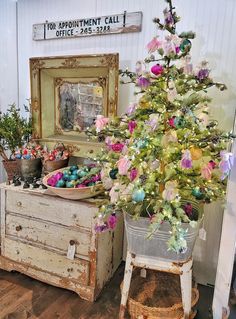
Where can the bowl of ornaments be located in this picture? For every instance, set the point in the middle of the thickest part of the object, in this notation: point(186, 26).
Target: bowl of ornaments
point(75, 182)
point(55, 159)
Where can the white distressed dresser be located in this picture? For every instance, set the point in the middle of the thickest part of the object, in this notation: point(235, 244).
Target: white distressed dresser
point(36, 231)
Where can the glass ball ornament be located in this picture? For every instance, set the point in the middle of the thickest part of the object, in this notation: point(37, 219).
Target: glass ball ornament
point(185, 45)
point(138, 195)
point(113, 173)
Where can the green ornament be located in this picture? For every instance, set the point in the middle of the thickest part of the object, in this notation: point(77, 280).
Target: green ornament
point(179, 122)
point(66, 176)
point(73, 177)
point(113, 173)
point(66, 171)
point(197, 193)
point(185, 45)
point(81, 173)
point(91, 184)
point(69, 184)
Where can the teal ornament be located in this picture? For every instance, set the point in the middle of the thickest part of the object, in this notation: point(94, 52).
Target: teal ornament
point(179, 122)
point(197, 193)
point(73, 168)
point(73, 177)
point(91, 184)
point(142, 143)
point(66, 171)
point(60, 183)
point(81, 173)
point(138, 195)
point(66, 177)
point(113, 173)
point(69, 184)
point(185, 46)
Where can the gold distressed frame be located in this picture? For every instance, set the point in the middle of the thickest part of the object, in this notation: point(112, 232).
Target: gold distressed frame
point(47, 72)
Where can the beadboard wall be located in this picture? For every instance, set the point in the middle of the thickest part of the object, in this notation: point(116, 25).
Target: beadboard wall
point(213, 21)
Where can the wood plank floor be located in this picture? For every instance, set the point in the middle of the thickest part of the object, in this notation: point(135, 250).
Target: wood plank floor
point(22, 297)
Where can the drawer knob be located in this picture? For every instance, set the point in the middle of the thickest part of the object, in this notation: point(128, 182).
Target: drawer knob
point(69, 269)
point(18, 228)
point(19, 204)
point(91, 151)
point(72, 242)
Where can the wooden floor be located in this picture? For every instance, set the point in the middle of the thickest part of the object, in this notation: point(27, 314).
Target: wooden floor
point(22, 297)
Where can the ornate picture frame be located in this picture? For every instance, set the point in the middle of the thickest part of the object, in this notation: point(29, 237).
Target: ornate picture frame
point(67, 93)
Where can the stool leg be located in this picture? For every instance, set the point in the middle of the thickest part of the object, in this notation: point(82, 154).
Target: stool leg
point(126, 285)
point(186, 291)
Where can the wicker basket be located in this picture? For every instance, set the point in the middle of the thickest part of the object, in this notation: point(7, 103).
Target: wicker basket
point(161, 289)
point(12, 168)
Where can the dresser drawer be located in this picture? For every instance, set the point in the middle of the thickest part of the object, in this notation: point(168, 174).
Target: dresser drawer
point(47, 261)
point(47, 234)
point(56, 210)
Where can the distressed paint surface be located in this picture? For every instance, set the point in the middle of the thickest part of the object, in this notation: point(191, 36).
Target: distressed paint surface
point(46, 233)
point(36, 230)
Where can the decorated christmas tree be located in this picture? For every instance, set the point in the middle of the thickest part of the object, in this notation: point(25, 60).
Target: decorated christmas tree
point(165, 149)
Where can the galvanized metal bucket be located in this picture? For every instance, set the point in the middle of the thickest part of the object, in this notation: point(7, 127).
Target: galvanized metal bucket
point(156, 246)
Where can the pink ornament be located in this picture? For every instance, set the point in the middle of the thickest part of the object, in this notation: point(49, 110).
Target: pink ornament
point(133, 174)
point(172, 121)
point(100, 122)
point(112, 221)
point(157, 69)
point(117, 147)
point(131, 126)
point(153, 45)
point(212, 164)
point(123, 165)
point(206, 172)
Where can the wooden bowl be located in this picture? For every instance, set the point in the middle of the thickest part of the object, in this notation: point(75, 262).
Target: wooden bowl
point(73, 193)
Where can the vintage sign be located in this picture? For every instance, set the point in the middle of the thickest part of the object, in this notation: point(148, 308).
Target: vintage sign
point(119, 23)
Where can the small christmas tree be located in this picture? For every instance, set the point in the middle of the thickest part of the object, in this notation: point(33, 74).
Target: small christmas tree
point(163, 150)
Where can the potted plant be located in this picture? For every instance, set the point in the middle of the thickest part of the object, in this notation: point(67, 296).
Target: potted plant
point(15, 130)
point(164, 158)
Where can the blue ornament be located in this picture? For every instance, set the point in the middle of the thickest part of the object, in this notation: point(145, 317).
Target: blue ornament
point(18, 156)
point(27, 156)
point(66, 176)
point(142, 143)
point(82, 173)
point(138, 195)
point(67, 171)
point(113, 173)
point(197, 193)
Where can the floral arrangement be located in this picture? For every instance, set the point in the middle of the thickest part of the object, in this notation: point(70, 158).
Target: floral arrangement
point(76, 177)
point(59, 152)
point(29, 151)
point(165, 148)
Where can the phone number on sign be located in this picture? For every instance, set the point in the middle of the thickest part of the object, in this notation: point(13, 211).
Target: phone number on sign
point(90, 30)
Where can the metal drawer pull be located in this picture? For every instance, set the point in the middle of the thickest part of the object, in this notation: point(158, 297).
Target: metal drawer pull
point(69, 269)
point(19, 204)
point(72, 242)
point(18, 228)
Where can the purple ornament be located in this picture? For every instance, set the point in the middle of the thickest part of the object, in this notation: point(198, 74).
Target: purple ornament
point(226, 163)
point(112, 221)
point(203, 74)
point(132, 107)
point(133, 174)
point(186, 161)
point(143, 82)
point(188, 208)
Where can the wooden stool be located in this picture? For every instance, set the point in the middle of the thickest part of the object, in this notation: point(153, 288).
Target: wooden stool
point(184, 269)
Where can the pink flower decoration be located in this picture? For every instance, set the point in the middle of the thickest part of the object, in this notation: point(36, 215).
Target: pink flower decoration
point(133, 174)
point(112, 221)
point(100, 122)
point(153, 45)
point(117, 147)
point(157, 69)
point(172, 121)
point(123, 165)
point(132, 125)
point(212, 164)
point(206, 172)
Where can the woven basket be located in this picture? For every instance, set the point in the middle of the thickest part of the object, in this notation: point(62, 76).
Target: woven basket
point(12, 168)
point(164, 286)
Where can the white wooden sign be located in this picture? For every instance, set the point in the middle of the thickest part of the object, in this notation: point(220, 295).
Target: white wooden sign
point(119, 23)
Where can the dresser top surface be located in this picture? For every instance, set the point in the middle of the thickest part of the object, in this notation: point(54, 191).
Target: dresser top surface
point(47, 192)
